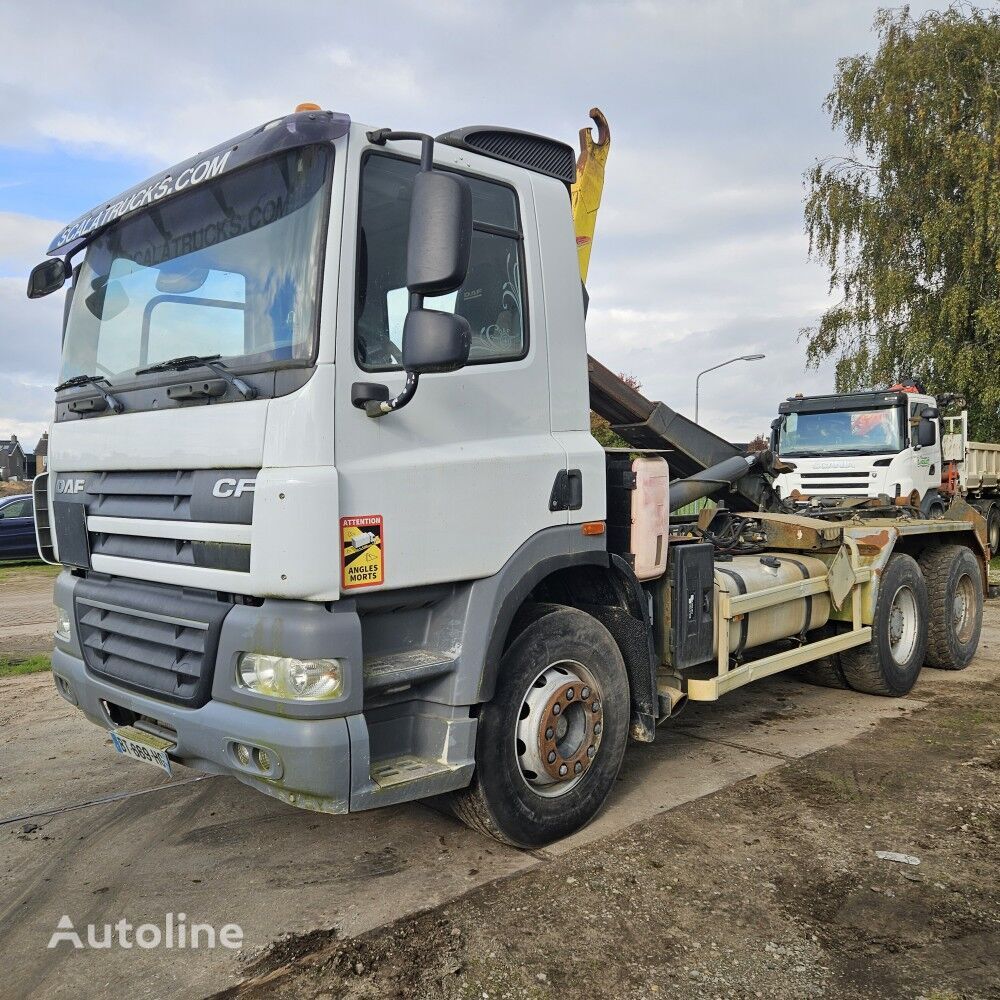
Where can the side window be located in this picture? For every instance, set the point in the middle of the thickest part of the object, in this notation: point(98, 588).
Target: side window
point(492, 298)
point(19, 508)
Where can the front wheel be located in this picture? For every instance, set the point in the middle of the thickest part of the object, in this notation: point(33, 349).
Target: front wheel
point(890, 663)
point(551, 741)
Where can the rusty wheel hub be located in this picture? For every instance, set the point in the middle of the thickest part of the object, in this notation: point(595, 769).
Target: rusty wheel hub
point(559, 728)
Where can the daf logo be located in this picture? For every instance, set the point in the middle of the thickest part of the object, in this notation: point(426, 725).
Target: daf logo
point(224, 489)
point(71, 485)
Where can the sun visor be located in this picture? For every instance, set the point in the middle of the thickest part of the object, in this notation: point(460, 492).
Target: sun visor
point(300, 129)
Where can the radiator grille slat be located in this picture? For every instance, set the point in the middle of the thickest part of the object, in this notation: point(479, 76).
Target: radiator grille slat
point(152, 639)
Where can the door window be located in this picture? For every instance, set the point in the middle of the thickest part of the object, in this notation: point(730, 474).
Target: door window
point(492, 298)
point(19, 508)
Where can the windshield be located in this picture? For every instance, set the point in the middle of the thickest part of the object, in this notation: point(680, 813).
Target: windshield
point(842, 432)
point(231, 268)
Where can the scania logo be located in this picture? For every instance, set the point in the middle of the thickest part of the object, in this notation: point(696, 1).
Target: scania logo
point(833, 465)
point(71, 485)
point(225, 489)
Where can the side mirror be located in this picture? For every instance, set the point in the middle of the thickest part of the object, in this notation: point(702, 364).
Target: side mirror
point(435, 342)
point(930, 413)
point(926, 433)
point(440, 241)
point(47, 277)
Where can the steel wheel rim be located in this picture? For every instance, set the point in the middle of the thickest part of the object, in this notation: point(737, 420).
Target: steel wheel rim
point(995, 534)
point(903, 625)
point(559, 728)
point(963, 617)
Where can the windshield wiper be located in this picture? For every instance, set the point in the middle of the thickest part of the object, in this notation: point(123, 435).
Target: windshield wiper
point(210, 361)
point(78, 381)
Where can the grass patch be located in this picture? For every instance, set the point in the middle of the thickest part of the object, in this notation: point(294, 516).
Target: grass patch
point(17, 668)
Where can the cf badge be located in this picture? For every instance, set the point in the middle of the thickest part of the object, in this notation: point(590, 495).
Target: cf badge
point(226, 488)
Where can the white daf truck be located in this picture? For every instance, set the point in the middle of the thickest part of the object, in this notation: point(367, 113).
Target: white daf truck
point(897, 443)
point(332, 522)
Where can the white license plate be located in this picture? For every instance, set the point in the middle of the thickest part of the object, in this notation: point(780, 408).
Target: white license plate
point(130, 742)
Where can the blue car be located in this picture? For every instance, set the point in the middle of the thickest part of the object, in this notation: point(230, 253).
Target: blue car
point(17, 528)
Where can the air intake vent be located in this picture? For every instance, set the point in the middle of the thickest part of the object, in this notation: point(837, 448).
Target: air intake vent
point(43, 530)
point(534, 152)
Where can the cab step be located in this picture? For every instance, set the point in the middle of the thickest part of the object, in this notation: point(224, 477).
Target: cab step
point(399, 671)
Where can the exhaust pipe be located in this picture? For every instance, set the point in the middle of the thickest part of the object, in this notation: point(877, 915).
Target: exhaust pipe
point(711, 480)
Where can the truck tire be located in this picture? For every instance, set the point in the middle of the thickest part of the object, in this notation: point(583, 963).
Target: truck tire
point(826, 672)
point(955, 595)
point(993, 529)
point(890, 663)
point(552, 739)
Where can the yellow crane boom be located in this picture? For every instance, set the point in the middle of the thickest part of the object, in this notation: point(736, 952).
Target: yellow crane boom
point(585, 195)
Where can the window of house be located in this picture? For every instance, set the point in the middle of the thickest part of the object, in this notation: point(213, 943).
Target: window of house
point(492, 298)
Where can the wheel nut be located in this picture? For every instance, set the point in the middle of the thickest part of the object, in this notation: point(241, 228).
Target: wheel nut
point(563, 769)
point(548, 733)
point(552, 756)
point(585, 693)
point(577, 767)
point(569, 694)
point(556, 709)
point(597, 729)
point(596, 706)
point(591, 750)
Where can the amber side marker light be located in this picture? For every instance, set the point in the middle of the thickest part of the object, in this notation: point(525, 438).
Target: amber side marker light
point(308, 106)
point(592, 528)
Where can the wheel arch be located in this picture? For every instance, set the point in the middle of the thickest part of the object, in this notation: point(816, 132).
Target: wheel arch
point(602, 585)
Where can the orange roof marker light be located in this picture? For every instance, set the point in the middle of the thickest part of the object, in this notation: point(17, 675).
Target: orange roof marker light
point(307, 106)
point(592, 528)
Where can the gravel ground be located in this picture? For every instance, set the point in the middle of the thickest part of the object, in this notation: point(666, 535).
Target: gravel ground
point(768, 889)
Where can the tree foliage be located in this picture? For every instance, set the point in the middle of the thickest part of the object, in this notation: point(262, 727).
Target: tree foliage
point(600, 427)
point(909, 222)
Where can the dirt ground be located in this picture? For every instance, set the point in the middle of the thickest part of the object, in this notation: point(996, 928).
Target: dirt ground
point(27, 614)
point(770, 888)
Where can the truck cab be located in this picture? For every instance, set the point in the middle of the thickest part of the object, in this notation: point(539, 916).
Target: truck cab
point(236, 529)
point(865, 444)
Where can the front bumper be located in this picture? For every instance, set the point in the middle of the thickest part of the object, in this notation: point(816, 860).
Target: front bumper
point(308, 744)
point(312, 757)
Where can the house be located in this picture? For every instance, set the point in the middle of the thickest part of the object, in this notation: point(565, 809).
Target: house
point(42, 454)
point(12, 461)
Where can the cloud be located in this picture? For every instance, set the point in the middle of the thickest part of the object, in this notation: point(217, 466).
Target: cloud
point(715, 109)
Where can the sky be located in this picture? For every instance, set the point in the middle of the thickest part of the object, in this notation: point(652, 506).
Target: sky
point(716, 112)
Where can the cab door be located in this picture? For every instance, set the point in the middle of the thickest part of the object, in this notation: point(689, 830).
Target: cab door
point(451, 484)
point(17, 529)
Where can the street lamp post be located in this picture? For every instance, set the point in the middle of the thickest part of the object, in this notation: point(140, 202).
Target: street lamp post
point(697, 381)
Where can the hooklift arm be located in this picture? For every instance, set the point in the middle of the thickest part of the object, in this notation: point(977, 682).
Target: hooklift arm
point(640, 421)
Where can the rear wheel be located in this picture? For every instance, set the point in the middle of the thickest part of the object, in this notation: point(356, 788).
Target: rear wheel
point(551, 741)
point(993, 530)
point(890, 663)
point(955, 594)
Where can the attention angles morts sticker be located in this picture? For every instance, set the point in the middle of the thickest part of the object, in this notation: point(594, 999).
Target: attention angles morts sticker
point(362, 551)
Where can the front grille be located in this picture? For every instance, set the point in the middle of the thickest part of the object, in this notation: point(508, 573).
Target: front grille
point(112, 502)
point(179, 552)
point(835, 474)
point(169, 495)
point(155, 640)
point(43, 529)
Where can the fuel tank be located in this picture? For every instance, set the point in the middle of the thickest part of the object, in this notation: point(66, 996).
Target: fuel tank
point(751, 574)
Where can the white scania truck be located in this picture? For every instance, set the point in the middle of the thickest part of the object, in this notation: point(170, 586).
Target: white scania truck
point(898, 444)
point(332, 522)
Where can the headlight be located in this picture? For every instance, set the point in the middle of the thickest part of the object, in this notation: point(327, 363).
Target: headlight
point(63, 624)
point(286, 677)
